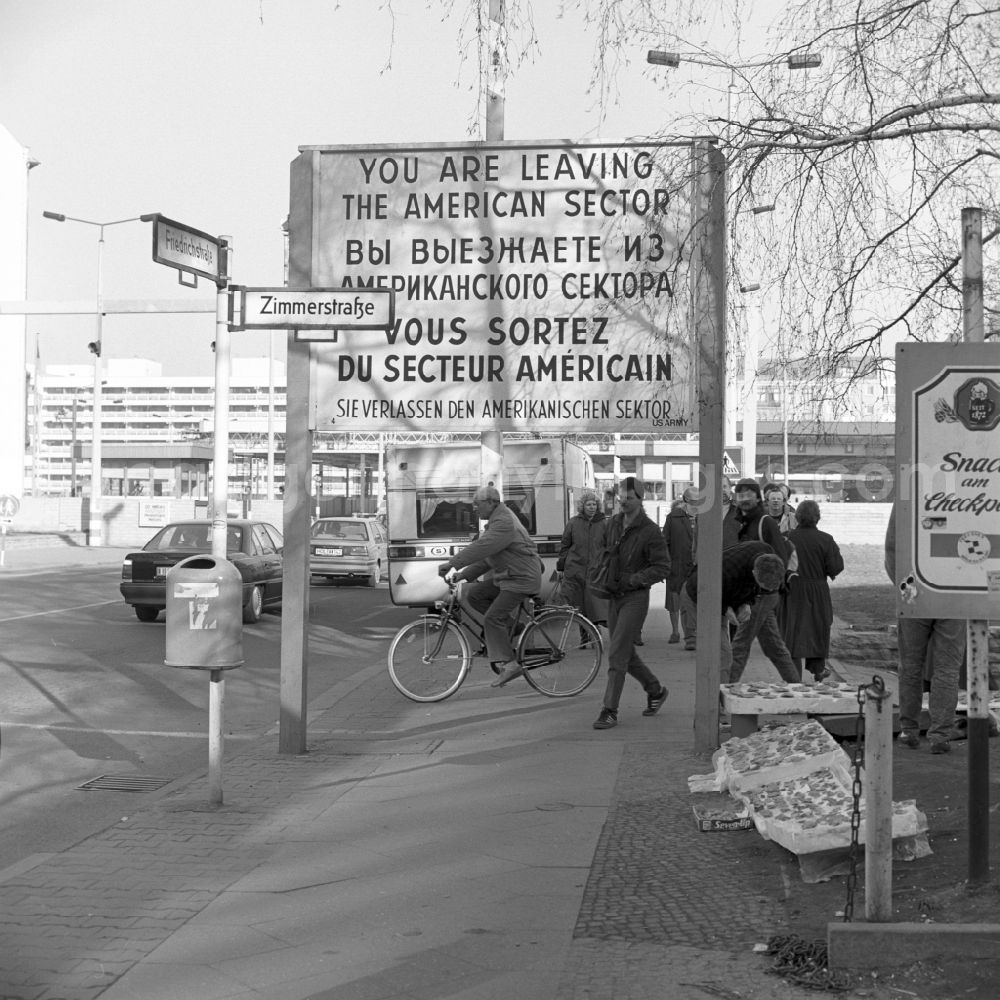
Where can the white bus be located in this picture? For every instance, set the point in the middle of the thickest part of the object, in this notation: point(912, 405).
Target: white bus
point(429, 491)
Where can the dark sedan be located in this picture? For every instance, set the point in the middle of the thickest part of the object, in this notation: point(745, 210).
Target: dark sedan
point(253, 547)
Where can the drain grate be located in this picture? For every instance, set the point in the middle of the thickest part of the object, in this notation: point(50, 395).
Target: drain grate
point(123, 783)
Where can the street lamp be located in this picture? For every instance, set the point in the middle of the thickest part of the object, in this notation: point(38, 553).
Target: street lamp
point(784, 427)
point(793, 60)
point(750, 391)
point(96, 532)
point(749, 394)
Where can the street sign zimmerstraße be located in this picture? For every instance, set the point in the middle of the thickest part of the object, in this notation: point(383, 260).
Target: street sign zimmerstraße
point(311, 310)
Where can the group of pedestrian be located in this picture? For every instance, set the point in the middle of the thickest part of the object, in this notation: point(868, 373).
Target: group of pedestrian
point(790, 617)
point(775, 573)
point(505, 554)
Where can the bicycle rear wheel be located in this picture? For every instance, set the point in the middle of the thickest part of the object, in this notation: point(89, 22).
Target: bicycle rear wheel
point(561, 652)
point(427, 665)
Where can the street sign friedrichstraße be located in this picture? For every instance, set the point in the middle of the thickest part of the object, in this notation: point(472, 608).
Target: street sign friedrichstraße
point(310, 310)
point(539, 286)
point(187, 249)
point(948, 516)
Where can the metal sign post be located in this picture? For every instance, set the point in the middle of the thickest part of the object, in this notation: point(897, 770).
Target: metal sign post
point(709, 305)
point(308, 314)
point(947, 415)
point(977, 630)
point(193, 253)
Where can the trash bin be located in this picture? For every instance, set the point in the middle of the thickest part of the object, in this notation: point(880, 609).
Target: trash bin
point(204, 614)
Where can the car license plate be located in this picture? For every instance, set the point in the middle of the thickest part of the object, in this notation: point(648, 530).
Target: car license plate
point(329, 552)
point(161, 571)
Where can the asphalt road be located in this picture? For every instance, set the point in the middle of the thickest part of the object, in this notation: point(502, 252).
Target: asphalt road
point(86, 694)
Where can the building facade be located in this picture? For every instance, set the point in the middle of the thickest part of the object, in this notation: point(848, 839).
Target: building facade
point(157, 434)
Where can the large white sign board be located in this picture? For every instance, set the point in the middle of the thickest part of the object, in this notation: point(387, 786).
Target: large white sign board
point(948, 449)
point(539, 287)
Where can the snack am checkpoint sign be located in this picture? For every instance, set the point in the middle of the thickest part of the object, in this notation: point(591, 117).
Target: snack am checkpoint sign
point(948, 450)
point(539, 287)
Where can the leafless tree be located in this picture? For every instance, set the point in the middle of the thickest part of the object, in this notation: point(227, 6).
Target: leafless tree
point(869, 158)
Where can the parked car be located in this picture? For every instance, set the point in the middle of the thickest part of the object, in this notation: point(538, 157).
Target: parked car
point(254, 548)
point(348, 548)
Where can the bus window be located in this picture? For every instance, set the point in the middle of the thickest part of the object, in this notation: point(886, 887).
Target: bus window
point(522, 503)
point(445, 514)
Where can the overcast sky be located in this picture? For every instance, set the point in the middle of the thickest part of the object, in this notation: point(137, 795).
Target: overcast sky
point(195, 109)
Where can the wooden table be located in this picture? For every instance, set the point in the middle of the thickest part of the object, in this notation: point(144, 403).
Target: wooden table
point(747, 703)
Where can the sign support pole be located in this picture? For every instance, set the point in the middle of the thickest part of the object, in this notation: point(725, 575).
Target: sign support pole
point(708, 272)
point(491, 442)
point(194, 253)
point(977, 631)
point(299, 425)
point(220, 507)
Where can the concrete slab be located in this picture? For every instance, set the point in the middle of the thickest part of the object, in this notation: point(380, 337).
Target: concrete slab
point(879, 946)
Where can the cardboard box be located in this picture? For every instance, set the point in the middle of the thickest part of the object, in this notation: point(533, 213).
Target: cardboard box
point(716, 812)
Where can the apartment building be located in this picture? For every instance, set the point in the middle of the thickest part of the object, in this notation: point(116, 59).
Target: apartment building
point(156, 430)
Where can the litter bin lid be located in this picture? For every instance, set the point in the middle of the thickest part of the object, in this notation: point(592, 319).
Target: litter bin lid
point(204, 563)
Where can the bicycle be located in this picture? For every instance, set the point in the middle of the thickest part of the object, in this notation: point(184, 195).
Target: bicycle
point(560, 649)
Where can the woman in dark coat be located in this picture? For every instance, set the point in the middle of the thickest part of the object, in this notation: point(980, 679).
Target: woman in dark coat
point(808, 608)
point(678, 532)
point(582, 543)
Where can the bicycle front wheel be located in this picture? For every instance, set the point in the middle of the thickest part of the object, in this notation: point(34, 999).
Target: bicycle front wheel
point(428, 663)
point(561, 652)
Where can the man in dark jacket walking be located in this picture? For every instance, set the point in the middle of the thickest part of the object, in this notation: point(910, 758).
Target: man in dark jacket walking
point(757, 526)
point(642, 561)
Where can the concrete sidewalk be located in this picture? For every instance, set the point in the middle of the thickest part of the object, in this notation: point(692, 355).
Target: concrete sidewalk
point(493, 845)
point(49, 556)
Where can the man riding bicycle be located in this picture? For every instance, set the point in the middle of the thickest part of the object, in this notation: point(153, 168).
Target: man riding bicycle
point(505, 547)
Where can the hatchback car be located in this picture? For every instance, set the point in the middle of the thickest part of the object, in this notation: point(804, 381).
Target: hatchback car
point(253, 547)
point(348, 548)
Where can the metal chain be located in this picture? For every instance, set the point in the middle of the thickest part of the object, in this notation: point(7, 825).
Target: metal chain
point(805, 963)
point(856, 789)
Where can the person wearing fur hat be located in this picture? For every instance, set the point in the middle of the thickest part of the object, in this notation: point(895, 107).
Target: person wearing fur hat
point(640, 560)
point(582, 542)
